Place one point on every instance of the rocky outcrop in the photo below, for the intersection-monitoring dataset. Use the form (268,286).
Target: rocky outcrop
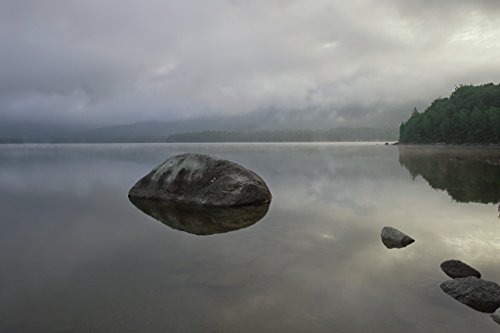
(200,220)
(479,294)
(457,269)
(202,180)
(393,238)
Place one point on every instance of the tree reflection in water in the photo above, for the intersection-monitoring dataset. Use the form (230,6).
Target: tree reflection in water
(467,174)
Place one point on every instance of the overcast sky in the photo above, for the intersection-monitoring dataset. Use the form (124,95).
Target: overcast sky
(358,62)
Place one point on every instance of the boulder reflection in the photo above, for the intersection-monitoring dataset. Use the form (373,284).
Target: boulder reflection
(467,174)
(201,221)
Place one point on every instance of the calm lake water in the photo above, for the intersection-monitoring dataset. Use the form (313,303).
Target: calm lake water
(77,256)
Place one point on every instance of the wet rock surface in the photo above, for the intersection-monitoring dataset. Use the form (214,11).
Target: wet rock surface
(457,269)
(481,295)
(393,238)
(202,180)
(201,220)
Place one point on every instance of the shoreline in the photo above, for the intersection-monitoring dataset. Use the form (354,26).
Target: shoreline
(472,145)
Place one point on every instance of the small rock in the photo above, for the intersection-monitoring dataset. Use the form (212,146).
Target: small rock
(457,269)
(479,294)
(393,238)
(496,317)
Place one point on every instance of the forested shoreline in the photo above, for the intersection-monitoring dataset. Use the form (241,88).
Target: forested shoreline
(470,115)
(330,135)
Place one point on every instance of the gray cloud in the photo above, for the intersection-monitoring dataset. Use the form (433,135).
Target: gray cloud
(362,62)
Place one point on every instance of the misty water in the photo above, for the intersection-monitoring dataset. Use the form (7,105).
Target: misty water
(77,256)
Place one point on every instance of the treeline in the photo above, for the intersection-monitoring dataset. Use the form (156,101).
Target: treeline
(470,115)
(10,140)
(334,134)
(109,139)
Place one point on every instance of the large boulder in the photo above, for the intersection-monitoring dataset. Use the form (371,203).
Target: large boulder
(202,180)
(457,269)
(393,238)
(479,294)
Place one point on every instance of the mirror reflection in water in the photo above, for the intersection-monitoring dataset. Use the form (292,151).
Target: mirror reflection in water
(467,174)
(200,220)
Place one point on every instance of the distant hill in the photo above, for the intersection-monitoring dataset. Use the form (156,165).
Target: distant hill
(37,131)
(470,115)
(10,140)
(334,134)
(143,131)
(259,127)
(152,131)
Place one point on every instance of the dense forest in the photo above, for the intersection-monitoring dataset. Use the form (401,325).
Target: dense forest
(470,115)
(333,134)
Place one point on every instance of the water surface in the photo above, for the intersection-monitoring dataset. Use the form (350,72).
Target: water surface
(77,256)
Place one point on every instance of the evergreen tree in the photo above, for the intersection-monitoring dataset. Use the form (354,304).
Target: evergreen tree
(470,115)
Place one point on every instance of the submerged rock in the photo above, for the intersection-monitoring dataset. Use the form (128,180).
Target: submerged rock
(202,180)
(201,220)
(457,269)
(479,294)
(393,238)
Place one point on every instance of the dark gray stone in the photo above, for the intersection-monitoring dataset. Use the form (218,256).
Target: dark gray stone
(393,238)
(202,180)
(479,294)
(457,269)
(496,317)
(201,220)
